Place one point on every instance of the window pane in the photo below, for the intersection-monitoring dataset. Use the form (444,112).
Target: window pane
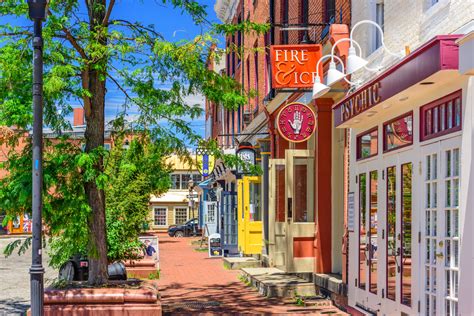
(435,120)
(367,145)
(184,181)
(197,178)
(391,233)
(457,112)
(181,215)
(160,216)
(456,162)
(450,115)
(255,198)
(175,181)
(428,120)
(362,230)
(442,117)
(373,257)
(303,185)
(448,163)
(399,133)
(406,204)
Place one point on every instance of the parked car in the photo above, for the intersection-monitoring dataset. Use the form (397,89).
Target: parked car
(189,228)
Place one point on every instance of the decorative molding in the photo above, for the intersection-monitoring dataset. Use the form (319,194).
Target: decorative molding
(225,9)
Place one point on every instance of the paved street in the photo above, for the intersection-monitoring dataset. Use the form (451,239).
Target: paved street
(15,280)
(192,282)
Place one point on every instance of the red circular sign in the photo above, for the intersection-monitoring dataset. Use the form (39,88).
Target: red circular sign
(296,122)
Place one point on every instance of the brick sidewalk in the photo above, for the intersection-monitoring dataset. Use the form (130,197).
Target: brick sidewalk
(192,283)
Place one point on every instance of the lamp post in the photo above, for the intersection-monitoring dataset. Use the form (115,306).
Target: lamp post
(37,12)
(191,200)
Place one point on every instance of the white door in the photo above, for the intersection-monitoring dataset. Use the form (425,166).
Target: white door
(440,234)
(368,231)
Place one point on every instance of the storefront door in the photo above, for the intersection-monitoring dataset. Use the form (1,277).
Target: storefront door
(250,236)
(292,212)
(440,242)
(229,221)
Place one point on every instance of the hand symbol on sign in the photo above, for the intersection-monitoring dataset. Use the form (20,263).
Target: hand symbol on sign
(297,122)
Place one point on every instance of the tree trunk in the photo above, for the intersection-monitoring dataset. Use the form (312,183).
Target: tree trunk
(94,106)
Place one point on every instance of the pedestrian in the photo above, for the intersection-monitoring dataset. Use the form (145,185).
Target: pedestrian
(149,249)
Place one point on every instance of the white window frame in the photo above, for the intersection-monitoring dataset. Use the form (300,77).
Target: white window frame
(166,216)
(187,214)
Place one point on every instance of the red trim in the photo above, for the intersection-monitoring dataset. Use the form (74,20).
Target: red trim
(384,132)
(358,146)
(438,102)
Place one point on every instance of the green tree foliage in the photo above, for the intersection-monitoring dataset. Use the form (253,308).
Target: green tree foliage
(87,50)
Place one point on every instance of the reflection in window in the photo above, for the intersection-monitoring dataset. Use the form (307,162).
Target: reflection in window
(362,230)
(391,232)
(303,190)
(441,116)
(255,198)
(280,193)
(406,258)
(373,257)
(367,144)
(399,132)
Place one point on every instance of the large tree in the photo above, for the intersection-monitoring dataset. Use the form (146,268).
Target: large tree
(88,51)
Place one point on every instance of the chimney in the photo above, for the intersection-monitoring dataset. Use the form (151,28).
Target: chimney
(78,117)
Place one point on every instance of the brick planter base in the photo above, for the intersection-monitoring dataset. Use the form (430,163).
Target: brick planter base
(141,301)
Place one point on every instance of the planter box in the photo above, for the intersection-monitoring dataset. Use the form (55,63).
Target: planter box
(112,301)
(141,268)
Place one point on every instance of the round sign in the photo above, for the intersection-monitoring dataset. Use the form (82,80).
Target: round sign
(296,122)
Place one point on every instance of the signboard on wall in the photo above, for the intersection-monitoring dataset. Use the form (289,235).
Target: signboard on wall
(296,122)
(294,66)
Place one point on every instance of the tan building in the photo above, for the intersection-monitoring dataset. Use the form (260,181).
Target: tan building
(173,207)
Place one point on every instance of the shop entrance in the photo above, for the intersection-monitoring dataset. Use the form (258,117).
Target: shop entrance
(386,196)
(292,211)
(440,242)
(229,221)
(250,236)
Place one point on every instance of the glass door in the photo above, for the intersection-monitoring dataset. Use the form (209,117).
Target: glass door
(277,214)
(441,240)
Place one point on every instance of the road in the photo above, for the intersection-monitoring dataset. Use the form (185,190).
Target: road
(15,280)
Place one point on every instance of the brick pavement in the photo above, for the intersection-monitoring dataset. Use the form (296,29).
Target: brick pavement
(192,283)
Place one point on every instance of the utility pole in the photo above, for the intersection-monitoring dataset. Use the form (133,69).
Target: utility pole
(37,12)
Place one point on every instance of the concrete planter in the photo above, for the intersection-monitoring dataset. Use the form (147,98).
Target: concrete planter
(139,299)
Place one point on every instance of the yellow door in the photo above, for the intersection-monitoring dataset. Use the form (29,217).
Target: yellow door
(250,215)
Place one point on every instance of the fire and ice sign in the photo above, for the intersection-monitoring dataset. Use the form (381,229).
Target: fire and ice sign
(294,66)
(296,122)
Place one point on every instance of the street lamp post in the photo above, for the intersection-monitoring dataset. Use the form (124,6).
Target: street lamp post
(191,201)
(37,12)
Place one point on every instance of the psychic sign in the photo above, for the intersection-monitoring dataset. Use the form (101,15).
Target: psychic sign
(296,122)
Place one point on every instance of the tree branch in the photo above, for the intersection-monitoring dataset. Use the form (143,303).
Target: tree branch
(74,43)
(109,11)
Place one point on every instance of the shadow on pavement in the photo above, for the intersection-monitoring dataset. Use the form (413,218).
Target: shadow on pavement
(13,306)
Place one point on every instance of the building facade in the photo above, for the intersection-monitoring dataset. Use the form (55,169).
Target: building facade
(410,175)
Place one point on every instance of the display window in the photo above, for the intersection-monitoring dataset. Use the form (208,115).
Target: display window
(367,144)
(398,132)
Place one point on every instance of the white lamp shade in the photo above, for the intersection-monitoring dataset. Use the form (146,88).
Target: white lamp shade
(354,62)
(319,88)
(333,75)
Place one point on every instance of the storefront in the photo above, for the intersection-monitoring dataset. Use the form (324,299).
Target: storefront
(411,137)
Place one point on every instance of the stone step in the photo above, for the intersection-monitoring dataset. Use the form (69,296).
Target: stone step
(272,282)
(237,263)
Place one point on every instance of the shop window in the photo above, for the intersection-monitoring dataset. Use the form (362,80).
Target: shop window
(367,144)
(398,133)
(180,215)
(160,216)
(391,232)
(303,176)
(373,227)
(255,202)
(441,117)
(362,230)
(406,240)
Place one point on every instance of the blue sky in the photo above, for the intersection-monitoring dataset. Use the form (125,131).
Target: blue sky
(173,24)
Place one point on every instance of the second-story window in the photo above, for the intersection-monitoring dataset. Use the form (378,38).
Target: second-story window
(329,11)
(379,19)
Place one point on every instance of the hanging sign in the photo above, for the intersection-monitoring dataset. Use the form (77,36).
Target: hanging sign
(247,154)
(296,122)
(205,162)
(294,66)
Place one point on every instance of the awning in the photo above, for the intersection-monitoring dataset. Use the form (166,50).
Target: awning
(441,54)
